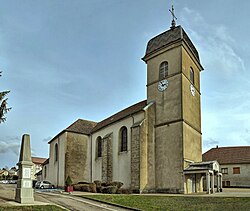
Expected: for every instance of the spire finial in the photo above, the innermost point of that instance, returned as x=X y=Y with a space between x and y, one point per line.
x=173 y=15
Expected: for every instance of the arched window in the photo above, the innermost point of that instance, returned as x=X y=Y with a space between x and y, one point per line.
x=56 y=152
x=191 y=75
x=163 y=70
x=99 y=147
x=124 y=139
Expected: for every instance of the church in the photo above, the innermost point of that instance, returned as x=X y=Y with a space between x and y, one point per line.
x=151 y=146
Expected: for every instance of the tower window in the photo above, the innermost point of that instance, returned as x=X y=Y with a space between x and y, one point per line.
x=163 y=71
x=191 y=75
x=99 y=147
x=56 y=152
x=124 y=139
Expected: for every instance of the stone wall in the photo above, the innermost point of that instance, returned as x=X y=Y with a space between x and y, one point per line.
x=77 y=157
x=135 y=158
x=107 y=158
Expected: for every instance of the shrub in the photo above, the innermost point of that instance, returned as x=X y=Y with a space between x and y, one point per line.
x=77 y=187
x=85 y=188
x=105 y=184
x=98 y=183
x=92 y=187
x=83 y=183
x=124 y=191
x=109 y=189
x=68 y=181
x=117 y=184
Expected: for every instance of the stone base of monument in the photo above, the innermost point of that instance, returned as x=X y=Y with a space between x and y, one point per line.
x=24 y=196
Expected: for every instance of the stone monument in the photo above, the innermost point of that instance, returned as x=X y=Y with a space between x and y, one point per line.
x=24 y=190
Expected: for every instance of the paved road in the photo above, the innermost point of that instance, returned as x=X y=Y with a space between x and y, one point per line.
x=70 y=202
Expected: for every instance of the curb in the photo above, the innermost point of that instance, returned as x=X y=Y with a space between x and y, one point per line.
x=108 y=203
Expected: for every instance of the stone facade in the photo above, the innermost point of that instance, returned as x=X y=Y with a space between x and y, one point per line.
x=163 y=132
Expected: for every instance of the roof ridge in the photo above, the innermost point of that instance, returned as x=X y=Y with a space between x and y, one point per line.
x=111 y=119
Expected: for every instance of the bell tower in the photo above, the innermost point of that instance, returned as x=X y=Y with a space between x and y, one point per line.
x=173 y=83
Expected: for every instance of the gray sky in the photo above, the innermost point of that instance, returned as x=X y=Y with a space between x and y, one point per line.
x=70 y=59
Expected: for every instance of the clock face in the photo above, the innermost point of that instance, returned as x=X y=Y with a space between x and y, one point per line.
x=163 y=85
x=192 y=89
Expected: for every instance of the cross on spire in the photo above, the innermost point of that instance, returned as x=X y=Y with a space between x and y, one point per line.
x=174 y=17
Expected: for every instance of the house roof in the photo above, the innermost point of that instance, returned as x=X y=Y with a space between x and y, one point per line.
x=228 y=155
x=37 y=160
x=46 y=161
x=120 y=115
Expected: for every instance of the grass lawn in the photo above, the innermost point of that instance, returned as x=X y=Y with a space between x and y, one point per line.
x=29 y=208
x=176 y=202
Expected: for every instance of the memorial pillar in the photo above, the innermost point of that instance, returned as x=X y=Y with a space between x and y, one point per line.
x=24 y=190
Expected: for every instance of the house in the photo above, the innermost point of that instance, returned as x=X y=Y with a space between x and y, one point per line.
x=147 y=145
x=234 y=164
x=37 y=166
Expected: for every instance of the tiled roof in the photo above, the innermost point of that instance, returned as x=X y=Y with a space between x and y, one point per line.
x=37 y=160
x=168 y=37
x=228 y=155
x=46 y=161
x=81 y=126
x=87 y=127
x=120 y=115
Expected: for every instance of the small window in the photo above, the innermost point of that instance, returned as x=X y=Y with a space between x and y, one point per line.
x=236 y=170
x=163 y=71
x=224 y=170
x=124 y=139
x=56 y=152
x=99 y=147
x=191 y=75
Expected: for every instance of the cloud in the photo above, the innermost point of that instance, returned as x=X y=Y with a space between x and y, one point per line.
x=47 y=139
x=208 y=143
x=215 y=43
x=11 y=144
x=245 y=136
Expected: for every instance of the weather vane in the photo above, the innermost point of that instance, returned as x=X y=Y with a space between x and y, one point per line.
x=174 y=17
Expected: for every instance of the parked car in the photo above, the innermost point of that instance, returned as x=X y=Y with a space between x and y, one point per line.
x=44 y=184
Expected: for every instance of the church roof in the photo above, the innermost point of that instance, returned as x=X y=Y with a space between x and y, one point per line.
x=121 y=115
x=228 y=155
x=169 y=37
x=81 y=126
x=87 y=127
